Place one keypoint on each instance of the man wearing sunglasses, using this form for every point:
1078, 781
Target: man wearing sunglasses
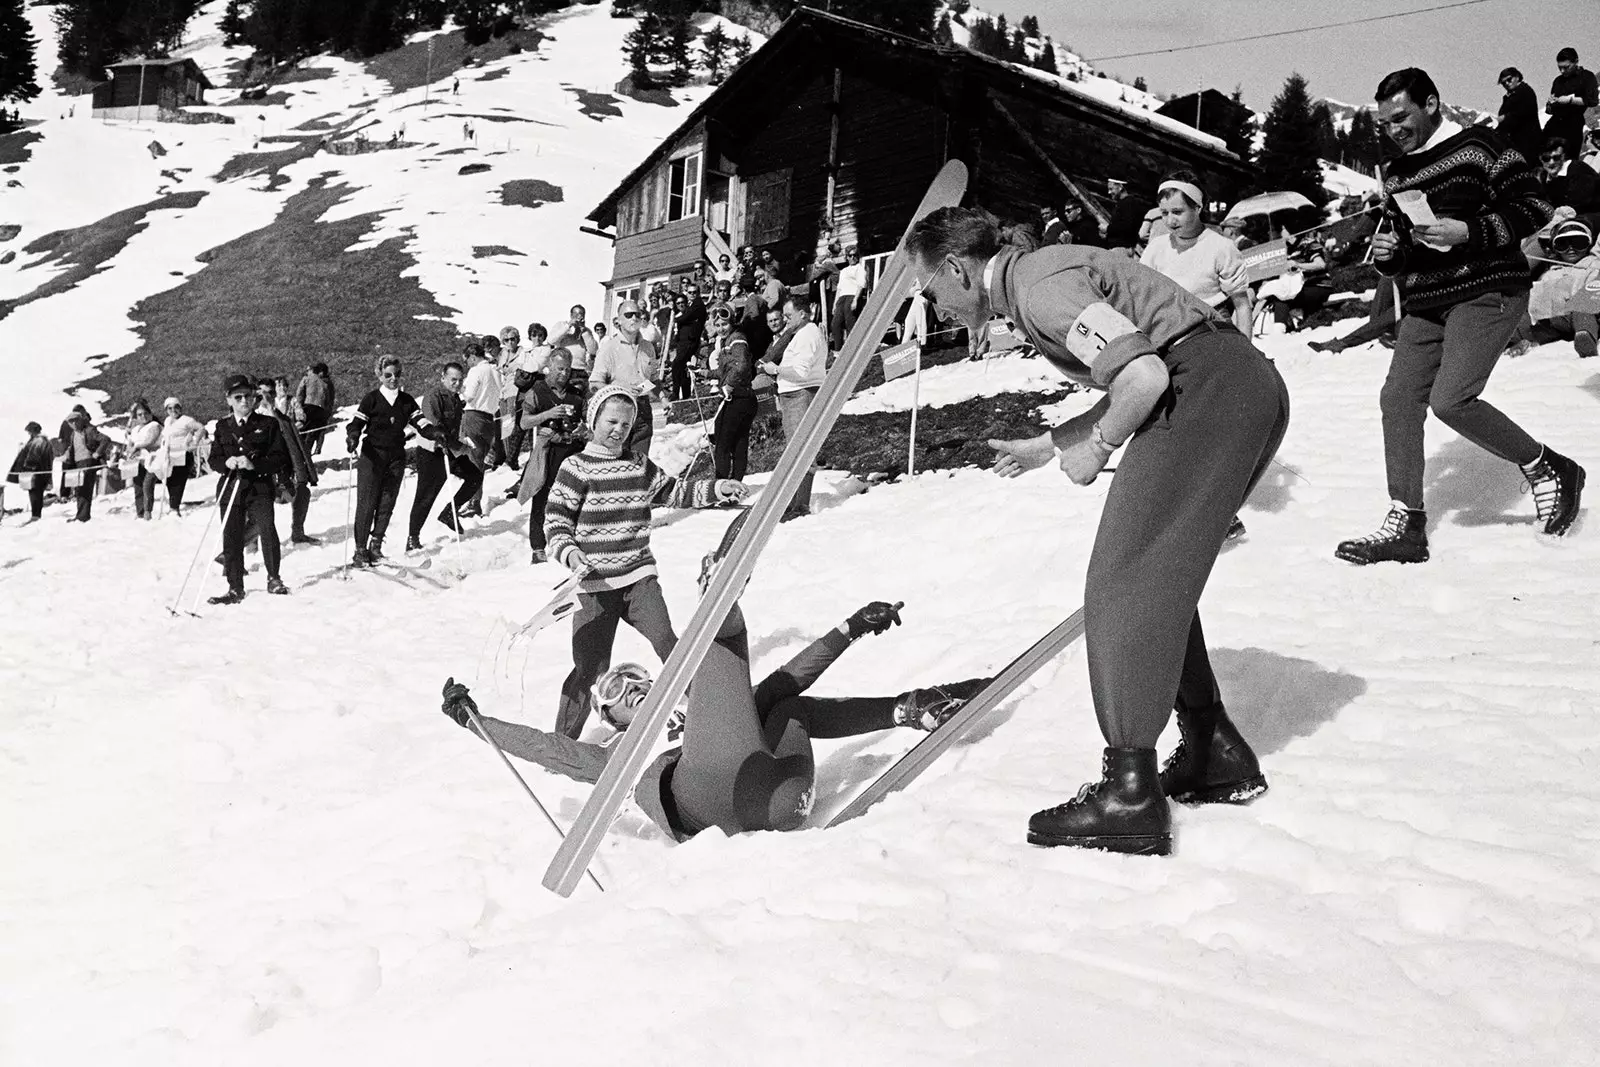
628, 360
1568, 183
248, 449
1519, 114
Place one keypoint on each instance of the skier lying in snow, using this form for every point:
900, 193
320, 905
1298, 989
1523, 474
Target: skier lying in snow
746, 760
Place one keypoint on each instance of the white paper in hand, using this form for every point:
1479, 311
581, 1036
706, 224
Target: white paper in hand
1414, 202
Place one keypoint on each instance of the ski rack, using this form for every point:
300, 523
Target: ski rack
917, 759
632, 749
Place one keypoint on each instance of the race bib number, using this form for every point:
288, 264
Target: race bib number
1098, 326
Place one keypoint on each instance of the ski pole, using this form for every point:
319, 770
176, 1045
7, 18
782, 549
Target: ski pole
222, 539
477, 724
349, 521
205, 536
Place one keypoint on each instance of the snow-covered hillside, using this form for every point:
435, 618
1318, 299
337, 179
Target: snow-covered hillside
546, 116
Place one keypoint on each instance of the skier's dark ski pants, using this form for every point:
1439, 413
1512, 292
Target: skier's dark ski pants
253, 509
1178, 485
432, 473
378, 478
594, 630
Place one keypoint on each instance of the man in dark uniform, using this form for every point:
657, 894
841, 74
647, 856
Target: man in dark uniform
447, 454
250, 449
1202, 413
1573, 92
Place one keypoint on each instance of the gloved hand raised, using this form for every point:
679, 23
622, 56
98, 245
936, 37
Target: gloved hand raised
456, 702
875, 618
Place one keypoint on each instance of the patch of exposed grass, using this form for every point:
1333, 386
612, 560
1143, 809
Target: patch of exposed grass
602, 106
269, 100
319, 123
529, 192
86, 249
486, 251
277, 299
248, 163
410, 67
14, 146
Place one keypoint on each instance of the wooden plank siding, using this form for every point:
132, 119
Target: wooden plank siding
795, 136
675, 247
890, 147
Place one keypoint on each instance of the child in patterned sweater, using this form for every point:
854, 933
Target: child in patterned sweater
597, 523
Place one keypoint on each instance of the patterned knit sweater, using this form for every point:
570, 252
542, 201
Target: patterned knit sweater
1477, 178
601, 504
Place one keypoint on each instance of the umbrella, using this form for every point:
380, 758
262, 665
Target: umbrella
1267, 204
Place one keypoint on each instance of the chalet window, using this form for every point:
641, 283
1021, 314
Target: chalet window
683, 188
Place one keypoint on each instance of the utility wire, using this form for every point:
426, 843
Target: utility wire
1288, 33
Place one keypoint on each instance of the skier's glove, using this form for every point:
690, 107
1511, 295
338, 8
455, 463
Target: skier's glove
875, 618
350, 440
456, 702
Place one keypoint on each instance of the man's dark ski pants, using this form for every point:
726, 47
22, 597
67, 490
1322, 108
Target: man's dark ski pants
1178, 485
1442, 360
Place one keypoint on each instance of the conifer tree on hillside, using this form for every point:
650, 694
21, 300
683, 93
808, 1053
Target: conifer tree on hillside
678, 53
1030, 26
476, 18
741, 49
714, 45
1002, 35
1047, 59
1018, 50
1329, 146
640, 46
232, 24
959, 8
1140, 84
18, 77
92, 33
942, 33
1289, 151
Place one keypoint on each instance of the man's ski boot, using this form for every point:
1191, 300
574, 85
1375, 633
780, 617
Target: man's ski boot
413, 544
234, 594
300, 537
1557, 484
1236, 529
928, 709
1212, 763
1585, 333
375, 550
361, 558
1124, 811
1403, 538
276, 587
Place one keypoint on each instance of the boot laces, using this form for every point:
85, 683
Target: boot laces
1545, 485
1393, 528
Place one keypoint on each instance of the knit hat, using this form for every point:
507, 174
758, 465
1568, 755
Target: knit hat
604, 393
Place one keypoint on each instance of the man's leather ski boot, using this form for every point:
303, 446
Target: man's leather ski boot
1557, 484
1212, 763
1124, 811
1403, 538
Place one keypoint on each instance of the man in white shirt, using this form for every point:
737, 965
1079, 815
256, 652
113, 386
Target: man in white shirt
627, 359
800, 375
481, 407
848, 297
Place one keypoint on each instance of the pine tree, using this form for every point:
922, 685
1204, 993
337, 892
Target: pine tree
741, 48
959, 8
1047, 59
1328, 146
476, 18
1018, 50
232, 24
1289, 152
678, 53
1239, 130
1002, 35
714, 45
639, 46
17, 72
1030, 26
1140, 84
92, 33
1364, 145
942, 33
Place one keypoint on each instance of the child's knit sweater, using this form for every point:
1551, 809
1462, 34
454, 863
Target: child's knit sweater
601, 505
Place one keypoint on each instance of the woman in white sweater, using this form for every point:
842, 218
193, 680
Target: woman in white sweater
1201, 260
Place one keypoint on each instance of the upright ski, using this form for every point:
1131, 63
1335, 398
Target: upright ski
905, 769
632, 752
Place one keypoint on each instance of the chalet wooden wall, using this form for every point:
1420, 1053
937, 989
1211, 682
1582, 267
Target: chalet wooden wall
673, 247
890, 147
795, 136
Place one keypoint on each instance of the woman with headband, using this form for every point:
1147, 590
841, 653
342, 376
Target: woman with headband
1199, 259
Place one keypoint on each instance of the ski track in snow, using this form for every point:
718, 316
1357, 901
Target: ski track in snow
251, 837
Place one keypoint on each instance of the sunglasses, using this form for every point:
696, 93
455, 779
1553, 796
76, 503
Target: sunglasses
630, 315
1553, 157
241, 396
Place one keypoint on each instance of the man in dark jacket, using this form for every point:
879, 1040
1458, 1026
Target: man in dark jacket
84, 449
1572, 93
294, 481
445, 455
249, 450
31, 470
1127, 216
687, 334
1519, 114
1568, 182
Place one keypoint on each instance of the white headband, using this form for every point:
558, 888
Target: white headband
1188, 189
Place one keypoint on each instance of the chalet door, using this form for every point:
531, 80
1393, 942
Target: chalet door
766, 207
717, 202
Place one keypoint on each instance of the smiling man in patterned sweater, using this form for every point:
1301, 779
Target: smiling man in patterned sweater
1463, 290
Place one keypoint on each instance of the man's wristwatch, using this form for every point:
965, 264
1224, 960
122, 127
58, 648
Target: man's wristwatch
1097, 439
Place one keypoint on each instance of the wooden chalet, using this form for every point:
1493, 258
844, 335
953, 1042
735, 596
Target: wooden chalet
1208, 111
836, 128
149, 86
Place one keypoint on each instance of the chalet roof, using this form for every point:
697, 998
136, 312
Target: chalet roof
810, 31
199, 74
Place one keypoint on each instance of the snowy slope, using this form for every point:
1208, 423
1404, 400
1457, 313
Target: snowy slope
527, 115
252, 839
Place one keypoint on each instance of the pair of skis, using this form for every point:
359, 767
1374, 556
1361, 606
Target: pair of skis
632, 750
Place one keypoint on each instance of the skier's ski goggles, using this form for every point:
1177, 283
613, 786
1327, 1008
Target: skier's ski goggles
619, 691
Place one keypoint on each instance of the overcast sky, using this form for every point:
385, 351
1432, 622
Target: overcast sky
1463, 48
